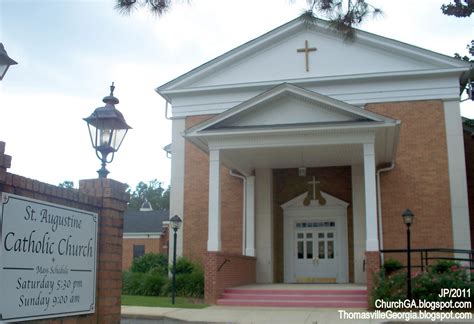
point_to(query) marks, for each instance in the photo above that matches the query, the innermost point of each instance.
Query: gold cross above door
(306, 51)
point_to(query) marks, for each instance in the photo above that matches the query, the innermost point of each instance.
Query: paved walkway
(267, 315)
(223, 314)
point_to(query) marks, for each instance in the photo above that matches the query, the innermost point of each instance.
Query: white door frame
(334, 210)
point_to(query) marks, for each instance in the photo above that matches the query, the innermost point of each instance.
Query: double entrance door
(315, 255)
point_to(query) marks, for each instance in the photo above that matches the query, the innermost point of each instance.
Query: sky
(69, 52)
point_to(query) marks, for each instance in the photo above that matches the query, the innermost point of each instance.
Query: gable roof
(298, 202)
(135, 221)
(438, 62)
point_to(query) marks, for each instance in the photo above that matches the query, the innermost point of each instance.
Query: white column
(250, 217)
(457, 177)
(264, 224)
(177, 180)
(358, 215)
(214, 225)
(371, 241)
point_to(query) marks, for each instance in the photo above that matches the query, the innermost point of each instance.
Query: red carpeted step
(356, 298)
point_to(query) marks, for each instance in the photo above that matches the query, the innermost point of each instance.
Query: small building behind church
(144, 231)
(295, 154)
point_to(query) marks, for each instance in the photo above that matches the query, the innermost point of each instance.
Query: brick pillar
(211, 290)
(5, 160)
(372, 266)
(109, 272)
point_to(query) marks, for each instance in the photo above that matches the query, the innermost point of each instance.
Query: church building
(295, 154)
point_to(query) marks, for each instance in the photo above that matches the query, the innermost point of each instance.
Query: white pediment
(289, 109)
(274, 56)
(298, 202)
(289, 105)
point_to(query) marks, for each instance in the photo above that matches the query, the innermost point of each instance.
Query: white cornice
(319, 80)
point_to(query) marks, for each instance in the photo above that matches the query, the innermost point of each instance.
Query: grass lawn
(151, 301)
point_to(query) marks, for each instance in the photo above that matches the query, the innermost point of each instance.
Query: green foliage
(66, 184)
(443, 266)
(343, 15)
(389, 287)
(143, 284)
(425, 286)
(187, 285)
(153, 192)
(153, 301)
(184, 266)
(152, 284)
(445, 274)
(155, 262)
(155, 281)
(156, 7)
(391, 265)
(190, 284)
(131, 282)
(460, 8)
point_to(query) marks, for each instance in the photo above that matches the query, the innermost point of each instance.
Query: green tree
(157, 7)
(461, 9)
(153, 192)
(66, 184)
(343, 15)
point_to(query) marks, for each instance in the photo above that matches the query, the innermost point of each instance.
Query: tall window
(138, 251)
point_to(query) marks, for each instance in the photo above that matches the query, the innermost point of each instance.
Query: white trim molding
(457, 176)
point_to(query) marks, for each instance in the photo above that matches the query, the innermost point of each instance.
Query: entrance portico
(289, 127)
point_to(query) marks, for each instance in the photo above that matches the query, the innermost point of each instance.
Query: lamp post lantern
(408, 220)
(107, 129)
(5, 61)
(175, 223)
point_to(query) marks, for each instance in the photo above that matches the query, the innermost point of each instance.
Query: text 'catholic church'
(295, 154)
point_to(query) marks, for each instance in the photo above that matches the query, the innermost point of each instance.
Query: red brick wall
(152, 245)
(106, 197)
(469, 153)
(196, 195)
(224, 270)
(420, 180)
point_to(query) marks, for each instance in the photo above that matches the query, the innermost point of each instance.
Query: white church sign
(48, 259)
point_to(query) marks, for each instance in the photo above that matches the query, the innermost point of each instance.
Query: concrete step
(293, 303)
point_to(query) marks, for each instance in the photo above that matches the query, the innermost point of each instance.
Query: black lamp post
(175, 222)
(107, 129)
(5, 61)
(408, 220)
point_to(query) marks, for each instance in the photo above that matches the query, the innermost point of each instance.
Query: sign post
(48, 256)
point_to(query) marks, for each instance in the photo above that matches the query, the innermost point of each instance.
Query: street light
(175, 223)
(107, 129)
(408, 220)
(5, 61)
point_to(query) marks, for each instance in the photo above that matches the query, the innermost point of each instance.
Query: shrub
(425, 286)
(445, 274)
(389, 287)
(150, 261)
(443, 266)
(155, 282)
(390, 266)
(131, 283)
(189, 280)
(143, 284)
(183, 265)
(152, 284)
